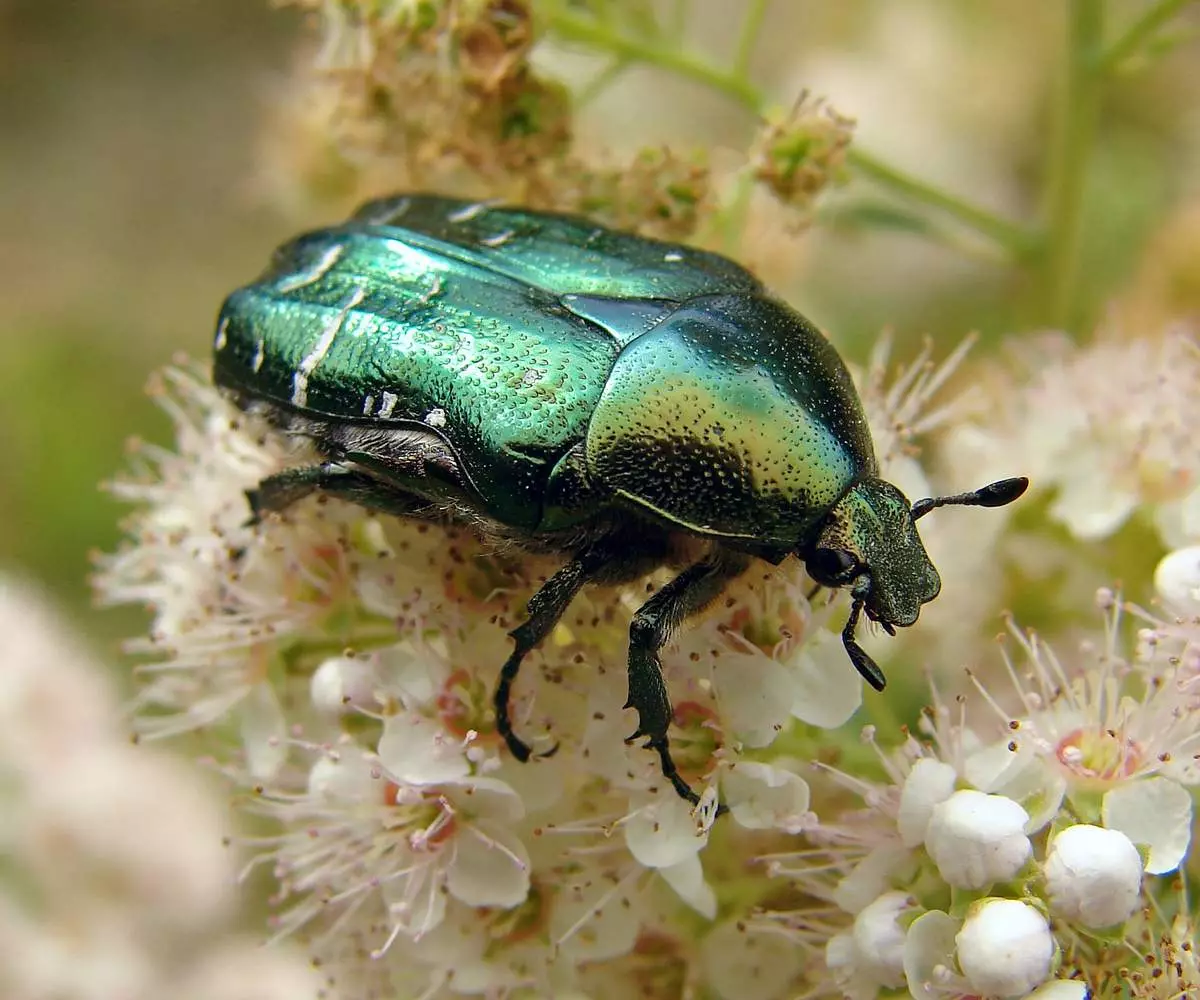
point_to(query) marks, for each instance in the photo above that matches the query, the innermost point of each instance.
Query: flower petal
(490, 868)
(755, 694)
(418, 751)
(928, 783)
(874, 875)
(663, 833)
(743, 965)
(264, 732)
(687, 879)
(827, 690)
(1156, 812)
(762, 797)
(929, 949)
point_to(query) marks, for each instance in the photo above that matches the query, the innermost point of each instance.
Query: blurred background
(135, 191)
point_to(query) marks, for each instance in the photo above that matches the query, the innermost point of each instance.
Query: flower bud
(1177, 580)
(1005, 948)
(1093, 876)
(340, 683)
(977, 839)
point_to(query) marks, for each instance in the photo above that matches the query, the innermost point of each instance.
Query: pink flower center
(1106, 754)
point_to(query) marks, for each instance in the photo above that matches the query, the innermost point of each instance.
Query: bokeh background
(136, 188)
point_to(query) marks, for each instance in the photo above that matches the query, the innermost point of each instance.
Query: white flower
(1093, 876)
(977, 839)
(1122, 732)
(411, 822)
(844, 963)
(1005, 947)
(124, 882)
(1107, 428)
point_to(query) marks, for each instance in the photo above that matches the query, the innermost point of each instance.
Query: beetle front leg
(280, 491)
(690, 592)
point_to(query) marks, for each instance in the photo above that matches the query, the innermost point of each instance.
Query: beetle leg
(546, 607)
(280, 491)
(690, 592)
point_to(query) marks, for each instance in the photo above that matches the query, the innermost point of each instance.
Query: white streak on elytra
(313, 273)
(387, 403)
(499, 239)
(436, 417)
(368, 405)
(672, 257)
(222, 339)
(469, 212)
(434, 291)
(260, 354)
(321, 348)
(388, 213)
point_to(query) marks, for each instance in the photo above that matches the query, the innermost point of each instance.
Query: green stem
(751, 24)
(1017, 240)
(1138, 33)
(1078, 114)
(655, 52)
(600, 82)
(733, 85)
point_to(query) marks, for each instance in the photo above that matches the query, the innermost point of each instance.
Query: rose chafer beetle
(627, 402)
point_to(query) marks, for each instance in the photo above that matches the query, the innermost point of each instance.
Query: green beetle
(627, 402)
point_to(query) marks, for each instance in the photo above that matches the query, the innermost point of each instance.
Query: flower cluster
(1104, 431)
(117, 882)
(343, 666)
(1003, 860)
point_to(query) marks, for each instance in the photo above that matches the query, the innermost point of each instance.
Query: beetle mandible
(627, 402)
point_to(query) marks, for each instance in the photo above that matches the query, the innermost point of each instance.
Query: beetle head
(869, 543)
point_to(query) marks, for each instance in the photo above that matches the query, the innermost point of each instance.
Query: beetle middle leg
(690, 592)
(545, 609)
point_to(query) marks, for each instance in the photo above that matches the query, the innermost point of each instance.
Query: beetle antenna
(993, 495)
(858, 656)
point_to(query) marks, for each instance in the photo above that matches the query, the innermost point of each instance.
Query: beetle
(626, 402)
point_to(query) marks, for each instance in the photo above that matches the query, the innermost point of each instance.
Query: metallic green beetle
(627, 402)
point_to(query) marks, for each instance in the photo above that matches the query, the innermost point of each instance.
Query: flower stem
(1017, 240)
(747, 36)
(733, 84)
(1138, 34)
(1078, 113)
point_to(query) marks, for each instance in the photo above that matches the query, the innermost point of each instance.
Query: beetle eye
(832, 567)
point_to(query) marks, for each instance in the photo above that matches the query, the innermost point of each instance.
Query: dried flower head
(800, 153)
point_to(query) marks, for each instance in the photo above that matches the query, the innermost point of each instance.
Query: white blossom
(1093, 875)
(977, 839)
(1005, 947)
